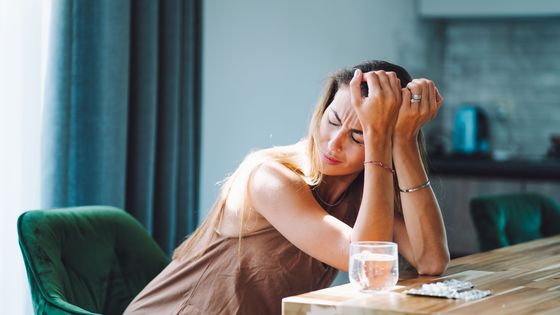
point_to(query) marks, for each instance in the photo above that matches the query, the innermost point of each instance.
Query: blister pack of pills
(450, 289)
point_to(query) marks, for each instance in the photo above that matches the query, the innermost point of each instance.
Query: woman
(284, 220)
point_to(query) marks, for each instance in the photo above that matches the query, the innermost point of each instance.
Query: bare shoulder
(279, 194)
(272, 182)
(283, 198)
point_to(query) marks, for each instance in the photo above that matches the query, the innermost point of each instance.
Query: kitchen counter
(486, 167)
(522, 280)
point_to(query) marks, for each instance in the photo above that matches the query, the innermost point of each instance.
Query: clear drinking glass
(373, 266)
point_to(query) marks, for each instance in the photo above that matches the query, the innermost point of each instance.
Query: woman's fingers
(420, 104)
(426, 96)
(384, 81)
(432, 93)
(389, 83)
(395, 86)
(416, 97)
(406, 95)
(355, 88)
(374, 86)
(425, 104)
(439, 98)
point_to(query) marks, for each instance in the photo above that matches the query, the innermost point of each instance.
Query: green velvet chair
(86, 260)
(508, 219)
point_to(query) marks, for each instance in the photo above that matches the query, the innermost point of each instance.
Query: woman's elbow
(433, 266)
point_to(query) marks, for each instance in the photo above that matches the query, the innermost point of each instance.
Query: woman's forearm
(421, 212)
(375, 217)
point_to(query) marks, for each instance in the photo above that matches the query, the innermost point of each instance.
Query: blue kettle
(470, 135)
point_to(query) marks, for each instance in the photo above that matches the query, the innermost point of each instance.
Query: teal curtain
(122, 111)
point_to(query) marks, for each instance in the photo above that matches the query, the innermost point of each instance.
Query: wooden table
(524, 279)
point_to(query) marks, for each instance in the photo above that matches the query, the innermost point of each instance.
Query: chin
(330, 170)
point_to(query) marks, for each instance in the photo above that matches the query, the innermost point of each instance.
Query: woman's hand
(378, 111)
(420, 103)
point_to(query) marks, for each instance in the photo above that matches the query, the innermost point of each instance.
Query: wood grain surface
(524, 279)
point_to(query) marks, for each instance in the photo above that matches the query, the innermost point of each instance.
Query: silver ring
(417, 97)
(412, 100)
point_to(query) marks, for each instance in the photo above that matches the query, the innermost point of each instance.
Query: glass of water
(373, 266)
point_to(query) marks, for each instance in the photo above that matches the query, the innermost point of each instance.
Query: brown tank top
(225, 281)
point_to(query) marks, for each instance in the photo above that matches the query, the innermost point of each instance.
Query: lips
(331, 160)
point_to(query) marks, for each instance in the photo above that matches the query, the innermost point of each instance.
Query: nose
(337, 140)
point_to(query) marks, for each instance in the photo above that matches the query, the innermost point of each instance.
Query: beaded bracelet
(380, 164)
(413, 189)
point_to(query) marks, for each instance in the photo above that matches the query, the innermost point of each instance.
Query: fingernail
(356, 72)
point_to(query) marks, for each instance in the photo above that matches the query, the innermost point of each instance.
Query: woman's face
(340, 137)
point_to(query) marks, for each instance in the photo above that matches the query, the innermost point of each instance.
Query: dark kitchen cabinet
(455, 192)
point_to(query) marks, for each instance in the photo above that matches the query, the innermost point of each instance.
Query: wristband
(380, 164)
(413, 189)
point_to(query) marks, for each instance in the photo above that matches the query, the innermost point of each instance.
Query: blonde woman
(284, 220)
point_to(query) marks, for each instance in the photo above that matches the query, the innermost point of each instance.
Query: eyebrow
(340, 122)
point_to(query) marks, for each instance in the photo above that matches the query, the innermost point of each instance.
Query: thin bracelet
(413, 189)
(380, 164)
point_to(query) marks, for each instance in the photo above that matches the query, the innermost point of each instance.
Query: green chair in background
(86, 260)
(508, 219)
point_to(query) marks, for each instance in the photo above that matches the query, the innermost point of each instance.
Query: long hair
(307, 165)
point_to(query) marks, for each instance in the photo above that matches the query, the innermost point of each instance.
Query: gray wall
(511, 68)
(265, 62)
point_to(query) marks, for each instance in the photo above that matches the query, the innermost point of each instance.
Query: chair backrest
(86, 260)
(509, 219)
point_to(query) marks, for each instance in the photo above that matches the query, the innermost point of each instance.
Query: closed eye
(333, 123)
(353, 136)
(356, 135)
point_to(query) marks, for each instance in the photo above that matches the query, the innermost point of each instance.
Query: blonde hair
(304, 162)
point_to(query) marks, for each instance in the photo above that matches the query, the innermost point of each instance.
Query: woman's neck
(333, 189)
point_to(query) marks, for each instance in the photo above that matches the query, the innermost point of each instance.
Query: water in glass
(374, 268)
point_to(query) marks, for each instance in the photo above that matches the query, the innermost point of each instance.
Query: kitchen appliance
(471, 132)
